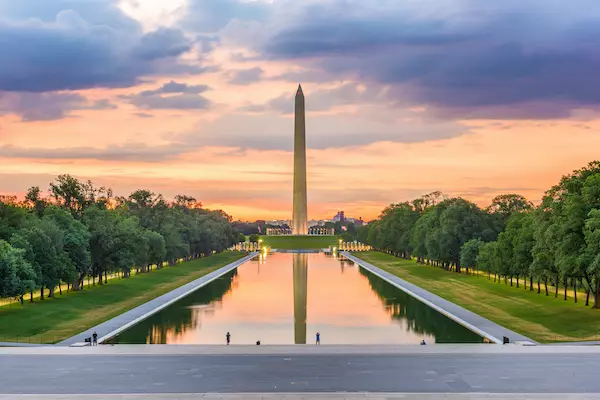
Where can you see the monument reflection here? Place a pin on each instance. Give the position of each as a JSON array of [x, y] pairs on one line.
[[300, 266], [286, 298]]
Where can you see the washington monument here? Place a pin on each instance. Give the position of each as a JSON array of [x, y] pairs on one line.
[[300, 215]]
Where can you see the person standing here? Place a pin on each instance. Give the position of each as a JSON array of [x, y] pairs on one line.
[[95, 339], [228, 337], [318, 338]]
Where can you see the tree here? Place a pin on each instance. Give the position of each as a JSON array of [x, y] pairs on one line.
[[469, 253], [504, 206], [591, 256], [254, 238], [76, 239], [41, 248], [486, 259], [17, 277], [34, 200]]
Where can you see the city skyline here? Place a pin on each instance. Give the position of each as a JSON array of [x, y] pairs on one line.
[[195, 97]]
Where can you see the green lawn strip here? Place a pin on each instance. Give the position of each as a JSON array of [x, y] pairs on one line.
[[300, 242], [53, 320], [540, 317]]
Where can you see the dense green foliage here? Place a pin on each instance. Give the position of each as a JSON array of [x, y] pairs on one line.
[[80, 231], [557, 242]]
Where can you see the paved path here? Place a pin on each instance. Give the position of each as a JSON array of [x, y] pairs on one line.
[[308, 396], [300, 350], [410, 373], [110, 328], [472, 321]]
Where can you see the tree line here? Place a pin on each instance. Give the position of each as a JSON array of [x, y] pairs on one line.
[[556, 243], [80, 231]]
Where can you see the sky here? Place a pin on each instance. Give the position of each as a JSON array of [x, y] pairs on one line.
[[473, 98]]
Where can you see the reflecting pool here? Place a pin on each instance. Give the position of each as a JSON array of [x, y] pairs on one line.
[[286, 298]]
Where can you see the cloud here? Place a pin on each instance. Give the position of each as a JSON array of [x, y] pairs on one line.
[[454, 56], [172, 95], [127, 152], [47, 106], [53, 45], [325, 99], [274, 131], [245, 76], [144, 115], [175, 87], [211, 16]]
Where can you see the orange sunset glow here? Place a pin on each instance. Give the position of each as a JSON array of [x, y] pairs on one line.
[[206, 109]]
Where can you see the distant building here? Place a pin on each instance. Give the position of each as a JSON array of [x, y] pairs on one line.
[[339, 217], [279, 231], [320, 231]]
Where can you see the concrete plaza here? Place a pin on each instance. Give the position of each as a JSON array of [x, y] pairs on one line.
[[441, 369], [308, 396]]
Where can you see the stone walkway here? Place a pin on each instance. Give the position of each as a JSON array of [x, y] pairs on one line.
[[470, 320], [310, 396], [112, 327]]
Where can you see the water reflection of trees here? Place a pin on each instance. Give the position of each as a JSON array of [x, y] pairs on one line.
[[184, 315], [418, 317]]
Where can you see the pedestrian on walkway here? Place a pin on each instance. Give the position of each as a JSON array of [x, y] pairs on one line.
[[423, 342], [95, 339], [318, 338], [228, 337]]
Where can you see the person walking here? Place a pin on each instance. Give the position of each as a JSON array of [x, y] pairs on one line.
[[95, 339], [318, 338], [228, 337]]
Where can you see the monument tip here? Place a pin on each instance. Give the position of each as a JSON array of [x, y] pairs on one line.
[[299, 89]]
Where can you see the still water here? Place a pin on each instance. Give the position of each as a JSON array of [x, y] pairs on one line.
[[286, 298]]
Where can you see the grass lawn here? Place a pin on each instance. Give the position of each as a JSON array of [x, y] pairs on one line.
[[542, 318], [53, 320], [300, 242]]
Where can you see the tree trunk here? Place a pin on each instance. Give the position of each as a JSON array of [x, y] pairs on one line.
[[556, 288], [458, 267], [531, 283], [566, 286], [587, 297], [597, 294], [489, 277], [546, 285], [60, 289], [105, 276], [511, 280], [31, 296], [42, 293], [538, 287], [517, 281], [21, 299], [51, 292], [575, 289]]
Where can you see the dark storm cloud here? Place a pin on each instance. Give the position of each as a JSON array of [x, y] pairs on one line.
[[47, 106], [51, 45], [172, 95], [456, 56]]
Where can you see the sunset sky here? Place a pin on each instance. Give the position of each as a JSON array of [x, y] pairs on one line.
[[471, 97]]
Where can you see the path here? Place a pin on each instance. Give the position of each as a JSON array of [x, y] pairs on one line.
[[98, 373]]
